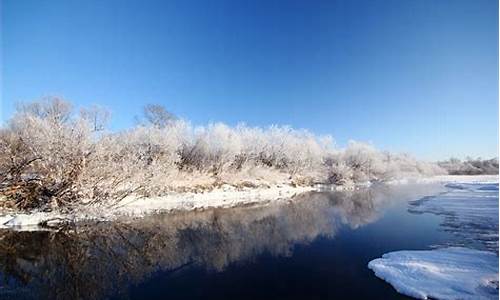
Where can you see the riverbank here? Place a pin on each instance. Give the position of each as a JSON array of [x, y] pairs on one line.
[[223, 197], [136, 206]]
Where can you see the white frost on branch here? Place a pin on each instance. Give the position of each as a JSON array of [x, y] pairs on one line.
[[52, 157]]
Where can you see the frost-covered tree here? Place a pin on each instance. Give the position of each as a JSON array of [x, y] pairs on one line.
[[470, 166], [97, 117], [53, 109], [51, 157], [43, 152], [157, 115]]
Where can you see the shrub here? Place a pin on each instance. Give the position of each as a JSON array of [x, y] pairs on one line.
[[51, 157], [470, 166]]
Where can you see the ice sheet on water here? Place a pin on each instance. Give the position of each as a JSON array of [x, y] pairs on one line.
[[473, 186], [447, 273], [470, 213]]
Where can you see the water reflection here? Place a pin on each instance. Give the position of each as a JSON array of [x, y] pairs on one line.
[[96, 260]]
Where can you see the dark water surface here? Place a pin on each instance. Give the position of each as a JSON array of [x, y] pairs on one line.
[[315, 246]]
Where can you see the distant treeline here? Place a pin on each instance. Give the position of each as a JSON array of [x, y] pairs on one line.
[[470, 166], [53, 157]]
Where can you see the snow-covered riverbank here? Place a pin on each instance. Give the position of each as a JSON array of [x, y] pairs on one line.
[[133, 207], [226, 196]]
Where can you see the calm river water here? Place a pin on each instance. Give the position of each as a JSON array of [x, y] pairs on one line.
[[314, 246]]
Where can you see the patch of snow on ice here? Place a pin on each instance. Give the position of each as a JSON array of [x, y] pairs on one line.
[[447, 273]]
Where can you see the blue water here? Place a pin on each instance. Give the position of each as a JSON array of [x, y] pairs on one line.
[[315, 246]]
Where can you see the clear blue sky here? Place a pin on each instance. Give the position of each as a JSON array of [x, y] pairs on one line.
[[407, 75]]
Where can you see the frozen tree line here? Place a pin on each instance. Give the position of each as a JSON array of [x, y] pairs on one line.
[[470, 166], [51, 156]]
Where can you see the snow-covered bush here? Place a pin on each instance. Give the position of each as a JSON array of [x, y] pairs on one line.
[[52, 157], [212, 149], [470, 166], [361, 162], [43, 154]]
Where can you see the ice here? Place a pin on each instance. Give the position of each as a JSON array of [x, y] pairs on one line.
[[470, 213], [447, 273], [461, 179], [225, 196]]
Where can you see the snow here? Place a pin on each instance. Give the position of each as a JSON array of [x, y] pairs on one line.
[[470, 214], [32, 221], [444, 179], [132, 206], [469, 207], [225, 196], [474, 179], [448, 273]]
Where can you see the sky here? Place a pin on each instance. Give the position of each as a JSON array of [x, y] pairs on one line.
[[416, 76]]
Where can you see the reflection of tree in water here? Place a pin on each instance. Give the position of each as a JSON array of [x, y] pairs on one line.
[[98, 259]]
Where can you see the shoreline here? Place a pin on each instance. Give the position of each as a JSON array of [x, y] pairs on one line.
[[468, 213], [138, 207], [224, 197]]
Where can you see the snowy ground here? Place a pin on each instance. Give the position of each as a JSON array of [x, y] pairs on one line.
[[226, 196], [470, 213], [131, 206]]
